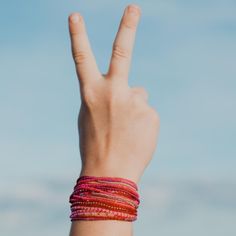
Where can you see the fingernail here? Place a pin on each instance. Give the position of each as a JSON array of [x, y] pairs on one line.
[[74, 18], [133, 9]]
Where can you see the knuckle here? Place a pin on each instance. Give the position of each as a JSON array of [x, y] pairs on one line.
[[154, 116], [140, 91], [89, 96], [79, 57], [138, 102], [130, 24], [143, 91], [119, 52]]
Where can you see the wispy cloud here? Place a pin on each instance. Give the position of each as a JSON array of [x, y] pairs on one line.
[[177, 207], [35, 207]]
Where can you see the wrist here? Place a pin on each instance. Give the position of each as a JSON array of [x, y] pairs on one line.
[[102, 171]]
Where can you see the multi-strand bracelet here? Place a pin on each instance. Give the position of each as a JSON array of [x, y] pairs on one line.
[[104, 198]]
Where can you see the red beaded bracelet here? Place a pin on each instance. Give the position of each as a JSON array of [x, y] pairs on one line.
[[104, 198]]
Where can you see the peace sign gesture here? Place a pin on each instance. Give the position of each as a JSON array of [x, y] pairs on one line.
[[118, 129], [122, 47]]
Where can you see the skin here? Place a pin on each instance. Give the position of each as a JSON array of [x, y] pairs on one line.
[[118, 129]]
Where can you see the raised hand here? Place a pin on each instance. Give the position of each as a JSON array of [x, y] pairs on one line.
[[118, 129]]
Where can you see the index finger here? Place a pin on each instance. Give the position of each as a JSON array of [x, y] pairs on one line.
[[85, 62], [124, 42]]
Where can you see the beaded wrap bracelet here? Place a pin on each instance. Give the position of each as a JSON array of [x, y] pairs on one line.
[[104, 198]]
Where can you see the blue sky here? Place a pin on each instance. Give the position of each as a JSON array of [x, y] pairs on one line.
[[185, 56]]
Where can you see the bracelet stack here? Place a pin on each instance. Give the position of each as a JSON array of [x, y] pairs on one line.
[[104, 198]]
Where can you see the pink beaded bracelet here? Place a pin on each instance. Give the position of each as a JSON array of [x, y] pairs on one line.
[[104, 198]]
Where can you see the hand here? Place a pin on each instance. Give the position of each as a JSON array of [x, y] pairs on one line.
[[118, 130]]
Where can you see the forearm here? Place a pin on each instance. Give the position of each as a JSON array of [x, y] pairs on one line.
[[101, 227]]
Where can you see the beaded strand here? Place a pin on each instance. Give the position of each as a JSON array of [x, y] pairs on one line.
[[104, 198]]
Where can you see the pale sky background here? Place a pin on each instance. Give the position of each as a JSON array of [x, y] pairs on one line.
[[184, 55]]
